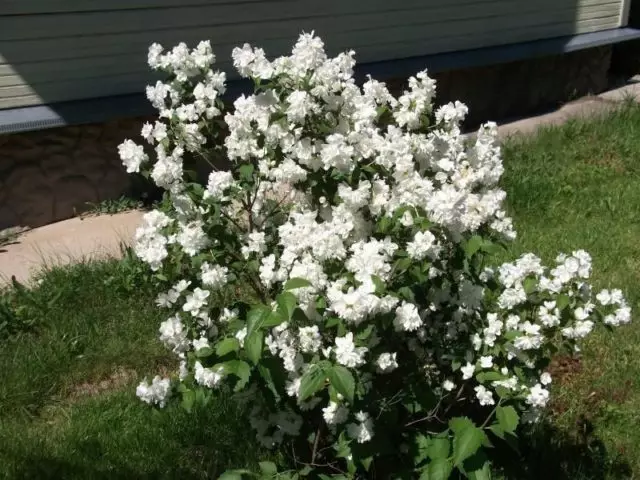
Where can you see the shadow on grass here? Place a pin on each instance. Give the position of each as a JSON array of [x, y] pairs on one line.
[[550, 453]]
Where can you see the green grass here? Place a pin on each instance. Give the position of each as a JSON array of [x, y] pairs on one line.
[[73, 349], [578, 186], [67, 382]]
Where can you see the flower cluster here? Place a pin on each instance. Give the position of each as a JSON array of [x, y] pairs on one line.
[[361, 224]]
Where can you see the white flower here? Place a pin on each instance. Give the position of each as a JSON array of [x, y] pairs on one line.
[[486, 362], [423, 244], [407, 318], [448, 385], [196, 301], [335, 414], [174, 334], [206, 376], [386, 362], [132, 155], [484, 396], [192, 237], [219, 182], [310, 339], [199, 343], [467, 371], [213, 276], [538, 396], [155, 393], [347, 353], [241, 335], [362, 432], [545, 378]]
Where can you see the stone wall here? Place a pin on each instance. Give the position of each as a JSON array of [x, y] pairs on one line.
[[50, 175]]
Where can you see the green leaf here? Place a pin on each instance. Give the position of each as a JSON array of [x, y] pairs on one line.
[[204, 352], [466, 443], [273, 320], [294, 283], [366, 462], [562, 301], [287, 302], [246, 171], [332, 322], [240, 369], [457, 424], [507, 418], [312, 381], [253, 346], [478, 467], [402, 264], [491, 248], [188, 399], [227, 345], [256, 318], [497, 430], [473, 245], [530, 285], [489, 376], [342, 380], [439, 448], [268, 468], [379, 284], [439, 469]]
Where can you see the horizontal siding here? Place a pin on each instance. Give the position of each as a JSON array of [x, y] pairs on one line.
[[52, 57], [31, 7]]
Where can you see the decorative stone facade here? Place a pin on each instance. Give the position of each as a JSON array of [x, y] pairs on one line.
[[50, 175]]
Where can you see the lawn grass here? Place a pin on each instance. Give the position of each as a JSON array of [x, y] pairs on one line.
[[83, 338], [578, 186], [67, 387]]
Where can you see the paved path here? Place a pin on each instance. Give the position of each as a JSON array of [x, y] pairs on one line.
[[102, 236], [67, 241]]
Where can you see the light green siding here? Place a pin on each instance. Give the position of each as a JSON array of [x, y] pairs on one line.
[[57, 50]]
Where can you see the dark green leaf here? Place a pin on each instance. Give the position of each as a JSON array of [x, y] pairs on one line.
[[342, 380], [366, 462], [473, 245], [530, 285], [458, 424], [204, 352], [478, 467], [273, 320], [256, 318], [268, 468], [379, 284], [253, 346], [188, 399], [240, 369], [246, 171], [562, 301], [439, 469], [287, 302], [312, 381], [332, 322], [507, 418], [227, 345], [439, 448], [466, 443], [294, 283]]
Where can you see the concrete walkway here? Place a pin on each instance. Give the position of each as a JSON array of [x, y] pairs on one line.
[[102, 236], [68, 241]]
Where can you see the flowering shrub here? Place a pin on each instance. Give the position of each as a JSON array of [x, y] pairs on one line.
[[376, 336]]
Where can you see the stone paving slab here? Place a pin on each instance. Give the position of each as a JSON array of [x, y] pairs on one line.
[[65, 242]]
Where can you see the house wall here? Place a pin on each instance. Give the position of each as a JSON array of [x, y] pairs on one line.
[[58, 50]]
